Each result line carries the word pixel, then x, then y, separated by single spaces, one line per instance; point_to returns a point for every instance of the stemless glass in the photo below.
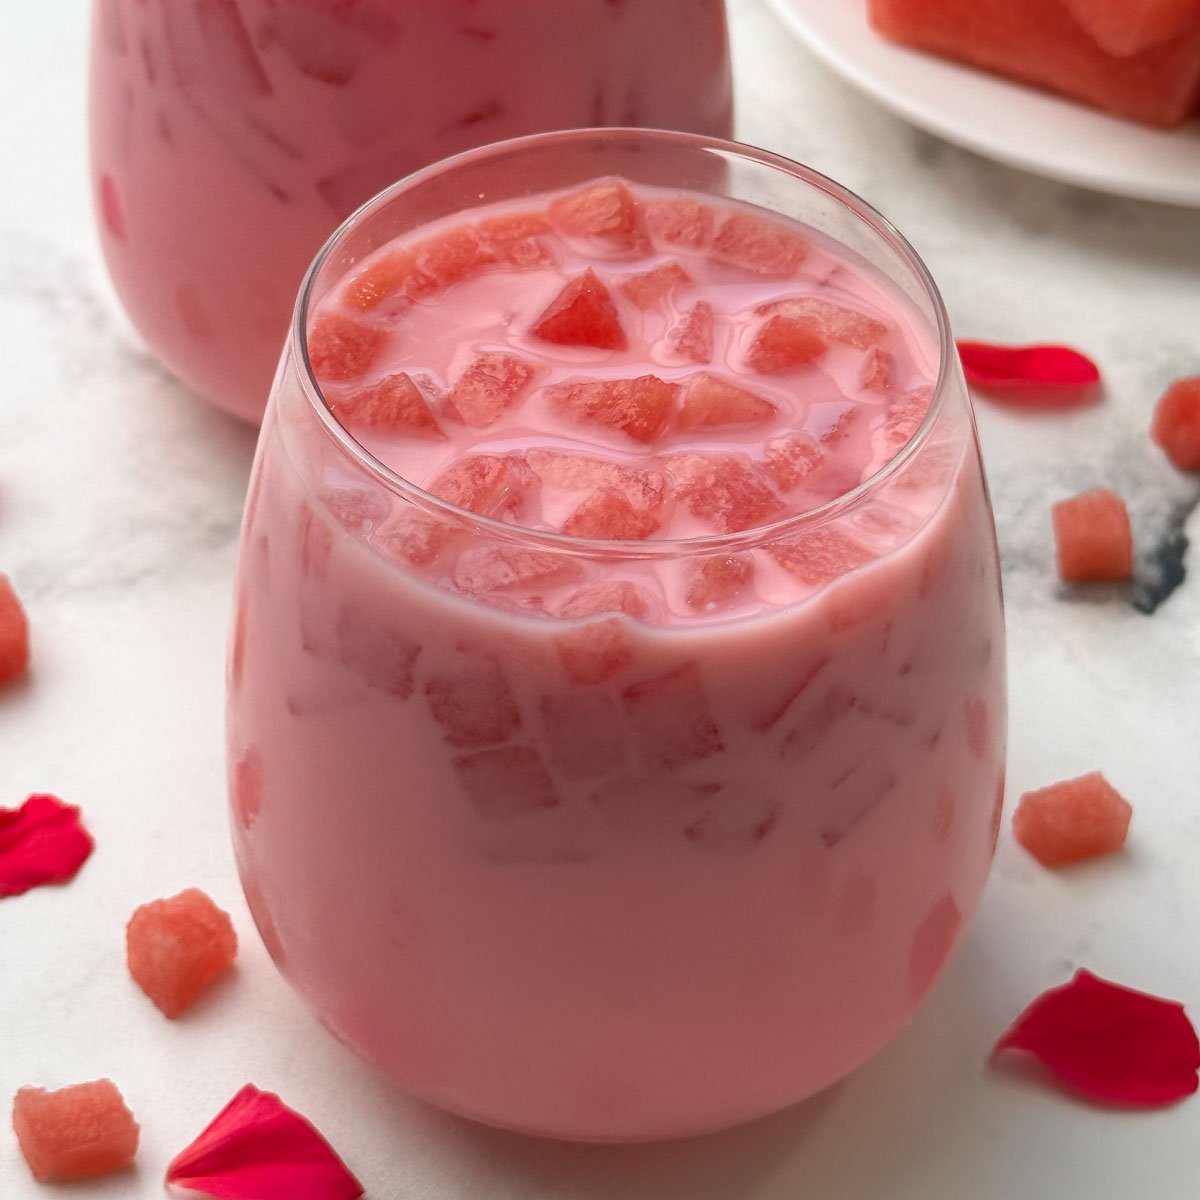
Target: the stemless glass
pixel 229 137
pixel 604 950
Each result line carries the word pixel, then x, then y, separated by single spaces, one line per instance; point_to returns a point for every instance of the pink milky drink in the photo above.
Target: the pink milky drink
pixel 230 137
pixel 617 696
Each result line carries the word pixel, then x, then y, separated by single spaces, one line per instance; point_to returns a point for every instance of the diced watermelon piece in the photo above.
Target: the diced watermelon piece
pixel 1125 27
pixel 1072 820
pixel 724 490
pixel 506 781
pixel 608 515
pixel 649 288
pixel 487 484
pixel 583 733
pixel 381 653
pixel 714 581
pixel 209 45
pixel 901 423
pixel 414 537
pixel 594 652
pixel 977 725
pixel 474 705
pixel 671 719
pixel 518 239
pixel 643 488
pixel 395 402
pixel 76 1132
pixel 176 948
pixel 607 211
pixel 1041 44
pixel 582 314
pixel 395 274
pixel 454 255
pixel 757 244
pixel 831 322
pixel 706 400
pixel 484 569
pixel 605 596
pixel 1176 425
pixel 1093 537
pixel 820 556
pixel 931 945
pixel 640 407
pixel 678 221
pixel 791 458
pixel 490 386
pixel 783 343
pixel 341 348
pixel 246 790
pixel 14 634
pixel 878 370
pixel 110 207
pixel 692 335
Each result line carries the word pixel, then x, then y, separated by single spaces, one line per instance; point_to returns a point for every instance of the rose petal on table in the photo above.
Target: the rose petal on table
pixel 43 841
pixel 256 1148
pixel 1031 376
pixel 1110 1043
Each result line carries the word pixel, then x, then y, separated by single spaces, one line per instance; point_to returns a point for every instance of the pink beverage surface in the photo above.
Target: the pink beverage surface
pixel 599 846
pixel 229 137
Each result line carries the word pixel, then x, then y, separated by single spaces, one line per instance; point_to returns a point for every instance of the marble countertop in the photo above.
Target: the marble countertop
pixel 120 497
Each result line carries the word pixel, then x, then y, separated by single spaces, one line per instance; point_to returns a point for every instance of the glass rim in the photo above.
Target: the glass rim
pixel 598 547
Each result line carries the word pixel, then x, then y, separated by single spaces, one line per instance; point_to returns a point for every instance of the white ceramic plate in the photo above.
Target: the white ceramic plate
pixel 1006 121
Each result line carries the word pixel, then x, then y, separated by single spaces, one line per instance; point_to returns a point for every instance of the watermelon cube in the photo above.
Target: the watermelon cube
pixel 485 569
pixel 671 719
pixel 506 781
pixel 605 596
pixel 1041 43
pixel 75 1132
pixel 487 484
pixel 474 705
pixel 1176 424
pixel 783 343
pixel 395 402
pixel 583 733
pixel 608 515
pixel 606 211
pixel 518 239
pixel 707 400
pixel 582 314
pixel 1072 820
pixel 649 288
pixel 490 386
pixel 1125 27
pixel 14 634
pixel 724 491
pixel 341 348
pixel 1093 537
pixel 454 255
pixel 678 221
pixel 831 322
pixel 643 488
pixel 641 408
pixel 755 244
pixel 692 335
pixel 594 652
pixel 791 458
pixel 176 948
pixel 820 556
pixel 714 581
pixel 878 368
pixel 395 274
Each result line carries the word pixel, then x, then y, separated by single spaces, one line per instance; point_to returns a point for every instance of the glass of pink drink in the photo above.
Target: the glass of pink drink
pixel 230 137
pixel 617 690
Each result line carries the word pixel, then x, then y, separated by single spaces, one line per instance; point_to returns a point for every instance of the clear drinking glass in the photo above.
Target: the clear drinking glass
pixel 230 137
pixel 656 942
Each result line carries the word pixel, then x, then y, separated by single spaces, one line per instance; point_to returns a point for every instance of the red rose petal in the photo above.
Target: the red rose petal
pixel 256 1148
pixel 1110 1043
pixel 43 841
pixel 1032 376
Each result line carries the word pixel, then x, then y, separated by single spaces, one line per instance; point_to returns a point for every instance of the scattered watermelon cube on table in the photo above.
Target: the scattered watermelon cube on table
pixel 1069 821
pixel 75 1132
pixel 1176 424
pixel 1063 47
pixel 1093 537
pixel 14 634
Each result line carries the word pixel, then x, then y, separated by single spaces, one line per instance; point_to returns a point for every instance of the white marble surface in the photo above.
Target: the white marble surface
pixel 119 502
